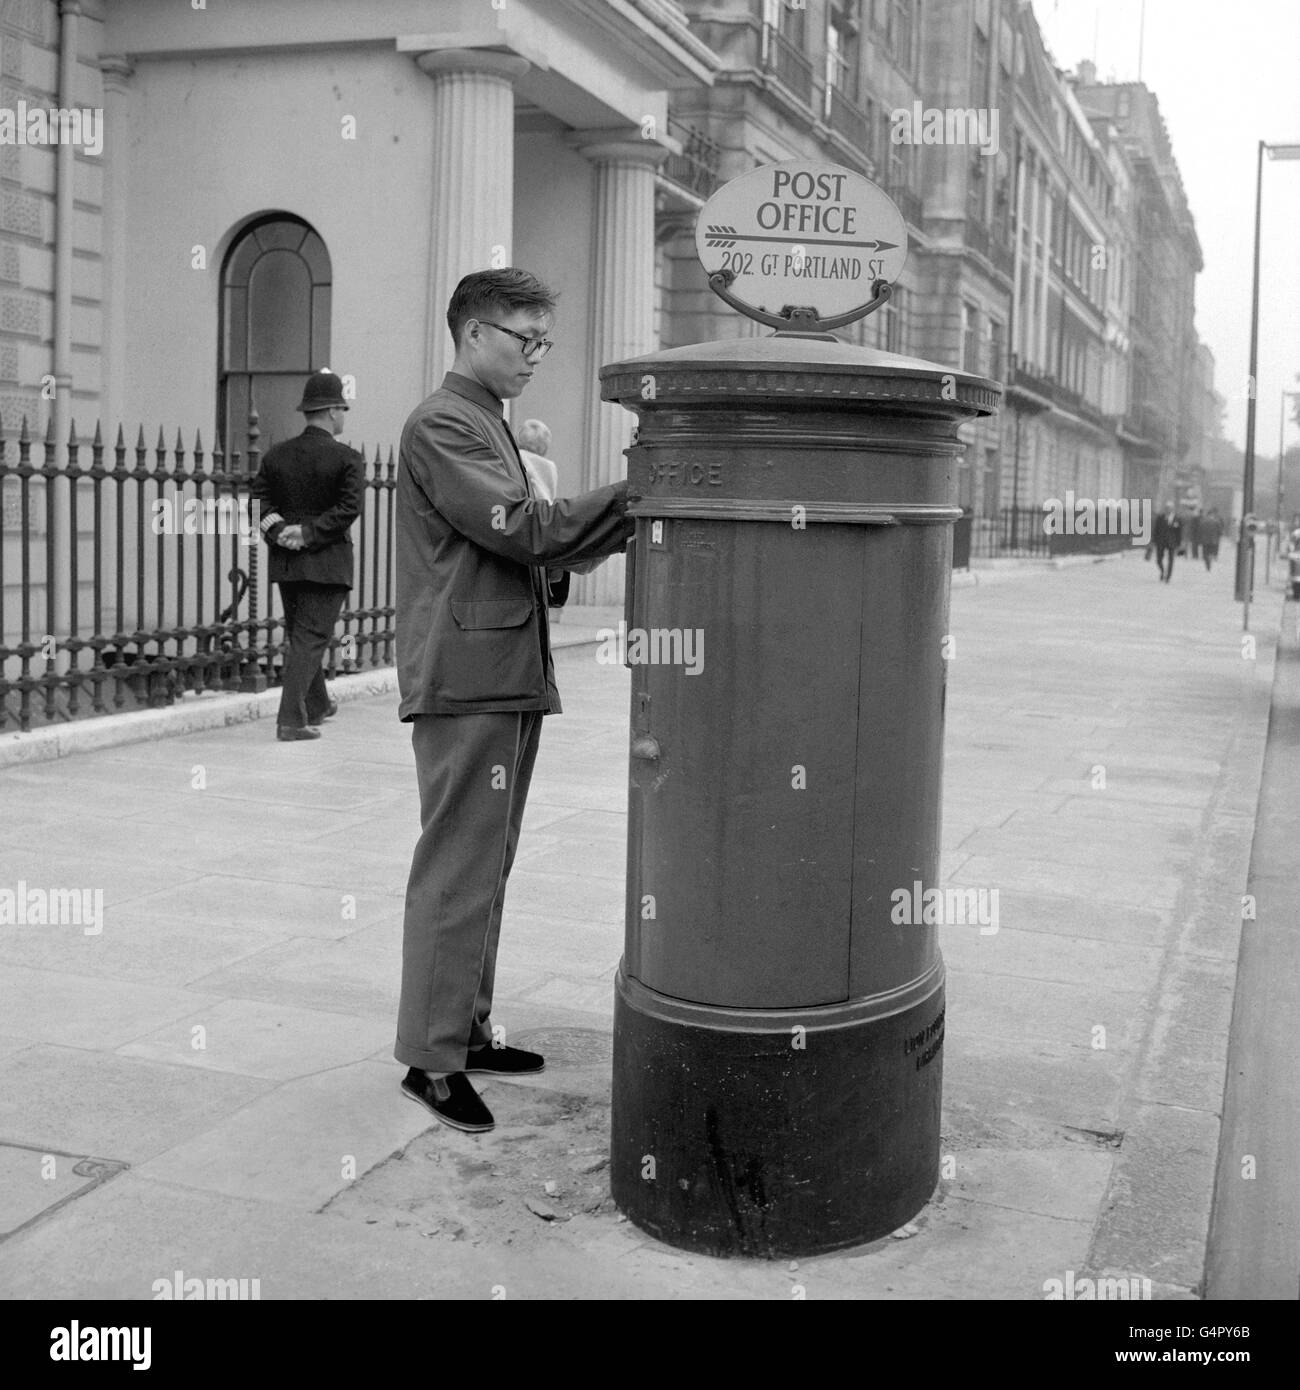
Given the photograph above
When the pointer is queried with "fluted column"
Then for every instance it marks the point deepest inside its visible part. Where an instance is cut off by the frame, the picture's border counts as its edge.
(116, 73)
(473, 178)
(622, 311)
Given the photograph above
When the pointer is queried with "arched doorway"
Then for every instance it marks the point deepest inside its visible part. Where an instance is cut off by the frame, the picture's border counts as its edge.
(275, 326)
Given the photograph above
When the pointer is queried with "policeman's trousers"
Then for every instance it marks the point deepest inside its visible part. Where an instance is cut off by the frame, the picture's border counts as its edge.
(310, 612)
(473, 772)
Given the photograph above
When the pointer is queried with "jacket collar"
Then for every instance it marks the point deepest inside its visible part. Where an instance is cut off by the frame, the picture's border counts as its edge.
(472, 391)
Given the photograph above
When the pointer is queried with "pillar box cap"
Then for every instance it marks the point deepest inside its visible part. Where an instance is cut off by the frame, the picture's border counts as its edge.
(818, 368)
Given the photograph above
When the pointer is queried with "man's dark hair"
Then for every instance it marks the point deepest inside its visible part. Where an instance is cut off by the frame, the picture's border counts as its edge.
(490, 294)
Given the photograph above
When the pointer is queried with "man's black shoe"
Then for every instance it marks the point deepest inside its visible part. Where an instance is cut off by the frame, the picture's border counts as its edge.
(288, 734)
(451, 1098)
(504, 1061)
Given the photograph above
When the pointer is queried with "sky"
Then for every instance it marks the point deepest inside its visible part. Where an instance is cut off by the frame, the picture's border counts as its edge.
(1226, 76)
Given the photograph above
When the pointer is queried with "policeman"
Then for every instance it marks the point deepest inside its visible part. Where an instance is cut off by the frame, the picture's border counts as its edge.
(309, 492)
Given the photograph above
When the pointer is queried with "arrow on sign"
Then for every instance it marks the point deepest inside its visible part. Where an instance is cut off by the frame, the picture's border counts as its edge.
(716, 236)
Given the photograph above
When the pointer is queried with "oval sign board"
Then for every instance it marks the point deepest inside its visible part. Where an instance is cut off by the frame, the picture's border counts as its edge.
(802, 233)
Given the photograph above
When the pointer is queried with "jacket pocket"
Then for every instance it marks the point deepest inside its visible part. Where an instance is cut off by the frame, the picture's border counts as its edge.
(476, 614)
(496, 654)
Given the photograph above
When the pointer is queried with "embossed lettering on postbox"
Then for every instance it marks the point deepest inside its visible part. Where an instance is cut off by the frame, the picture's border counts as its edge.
(675, 472)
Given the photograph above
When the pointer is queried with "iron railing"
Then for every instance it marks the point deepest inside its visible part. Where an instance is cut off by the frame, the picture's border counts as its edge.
(788, 63)
(847, 119)
(1021, 532)
(697, 167)
(126, 583)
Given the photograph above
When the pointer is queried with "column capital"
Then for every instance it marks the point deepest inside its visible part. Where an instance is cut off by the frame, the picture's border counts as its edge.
(116, 70)
(624, 145)
(507, 66)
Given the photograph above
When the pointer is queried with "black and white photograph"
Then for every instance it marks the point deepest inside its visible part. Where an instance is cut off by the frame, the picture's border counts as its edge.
(649, 652)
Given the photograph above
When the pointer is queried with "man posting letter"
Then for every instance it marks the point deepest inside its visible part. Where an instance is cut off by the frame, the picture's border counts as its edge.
(474, 671)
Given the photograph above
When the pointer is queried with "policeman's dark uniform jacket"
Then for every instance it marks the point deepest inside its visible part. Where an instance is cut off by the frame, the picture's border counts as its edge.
(315, 482)
(475, 677)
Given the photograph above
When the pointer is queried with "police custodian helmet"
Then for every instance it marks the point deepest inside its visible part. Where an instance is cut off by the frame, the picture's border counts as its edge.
(323, 390)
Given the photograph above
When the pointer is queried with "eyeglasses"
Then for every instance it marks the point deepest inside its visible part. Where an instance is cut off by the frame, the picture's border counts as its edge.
(540, 346)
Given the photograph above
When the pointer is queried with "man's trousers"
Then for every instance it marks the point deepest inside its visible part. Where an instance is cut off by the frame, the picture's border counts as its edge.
(473, 771)
(310, 612)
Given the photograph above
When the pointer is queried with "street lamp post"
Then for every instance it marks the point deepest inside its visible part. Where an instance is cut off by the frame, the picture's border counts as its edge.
(1281, 445)
(1246, 540)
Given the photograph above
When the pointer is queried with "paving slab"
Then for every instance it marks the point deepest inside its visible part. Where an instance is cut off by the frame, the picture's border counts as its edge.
(90, 1102)
(271, 1040)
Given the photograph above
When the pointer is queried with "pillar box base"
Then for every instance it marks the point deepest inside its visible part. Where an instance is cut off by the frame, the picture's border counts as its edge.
(735, 1134)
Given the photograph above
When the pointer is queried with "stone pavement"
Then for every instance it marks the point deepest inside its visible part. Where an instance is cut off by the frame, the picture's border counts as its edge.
(206, 1085)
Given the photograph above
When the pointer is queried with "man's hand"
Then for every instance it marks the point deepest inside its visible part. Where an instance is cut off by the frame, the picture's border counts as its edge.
(291, 538)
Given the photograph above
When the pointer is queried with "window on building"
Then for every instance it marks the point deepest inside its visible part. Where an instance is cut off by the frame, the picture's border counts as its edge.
(996, 365)
(895, 321)
(1003, 197)
(902, 26)
(275, 326)
(898, 164)
(790, 23)
(979, 75)
(843, 28)
(988, 486)
(977, 187)
(969, 338)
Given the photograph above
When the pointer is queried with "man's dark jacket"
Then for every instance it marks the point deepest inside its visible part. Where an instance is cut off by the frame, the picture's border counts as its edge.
(1168, 531)
(314, 482)
(473, 547)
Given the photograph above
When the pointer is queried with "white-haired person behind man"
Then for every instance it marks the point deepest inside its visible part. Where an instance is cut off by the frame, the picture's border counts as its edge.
(534, 440)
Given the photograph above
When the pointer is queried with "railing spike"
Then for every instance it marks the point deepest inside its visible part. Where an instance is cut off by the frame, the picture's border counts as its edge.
(24, 435)
(98, 440)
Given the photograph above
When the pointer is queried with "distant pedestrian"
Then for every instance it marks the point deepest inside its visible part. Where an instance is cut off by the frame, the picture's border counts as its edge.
(1211, 535)
(1194, 533)
(1167, 535)
(534, 440)
(309, 492)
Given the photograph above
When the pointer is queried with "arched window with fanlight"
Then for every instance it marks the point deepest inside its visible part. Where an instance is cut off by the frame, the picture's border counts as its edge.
(275, 326)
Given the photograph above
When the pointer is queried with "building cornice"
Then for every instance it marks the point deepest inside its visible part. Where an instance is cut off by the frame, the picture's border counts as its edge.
(658, 33)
